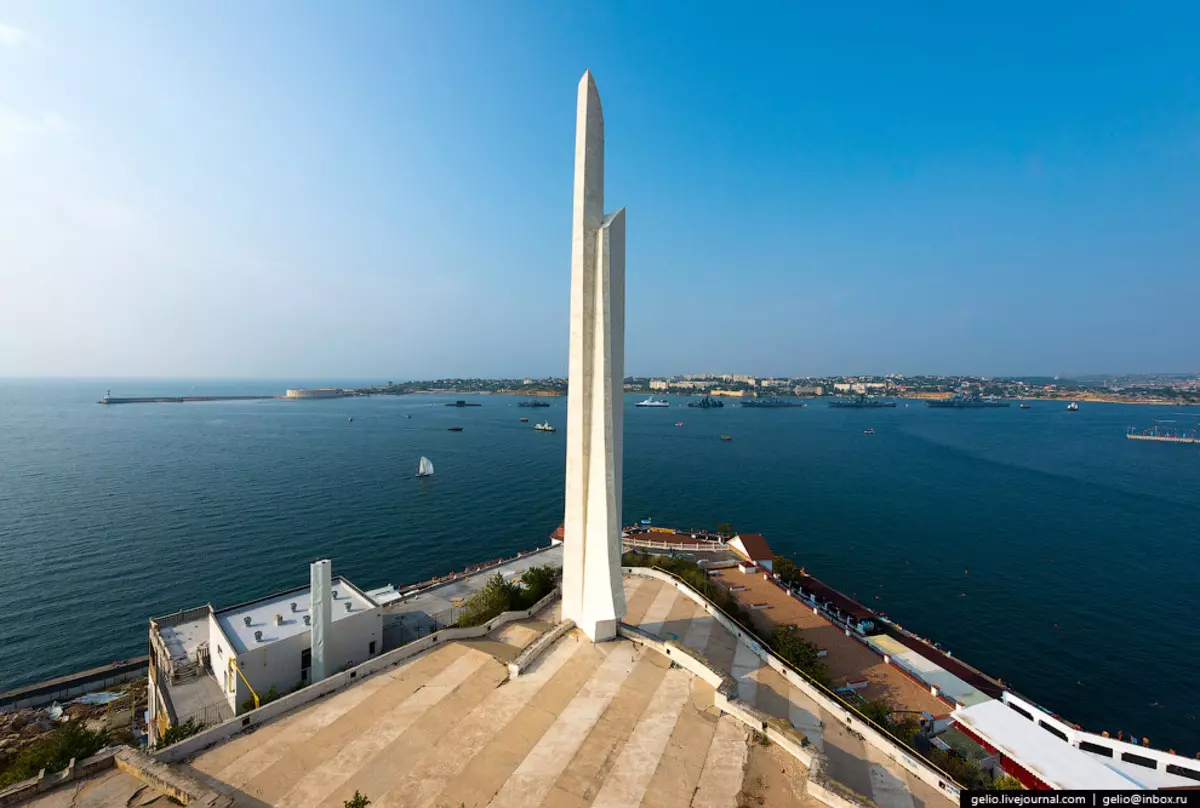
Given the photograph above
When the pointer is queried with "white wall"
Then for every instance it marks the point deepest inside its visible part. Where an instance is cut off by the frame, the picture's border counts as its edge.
(278, 662)
(220, 651)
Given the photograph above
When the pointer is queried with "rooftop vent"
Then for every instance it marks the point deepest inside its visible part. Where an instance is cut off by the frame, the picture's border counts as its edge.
(308, 619)
(335, 594)
(279, 620)
(348, 605)
(247, 619)
(258, 636)
(294, 606)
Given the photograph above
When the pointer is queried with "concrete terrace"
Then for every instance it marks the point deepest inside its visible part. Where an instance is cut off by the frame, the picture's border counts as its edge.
(661, 609)
(429, 609)
(110, 788)
(602, 725)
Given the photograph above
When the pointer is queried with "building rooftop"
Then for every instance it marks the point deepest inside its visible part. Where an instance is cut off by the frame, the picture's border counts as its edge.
(182, 639)
(291, 606)
(753, 545)
(928, 671)
(1048, 757)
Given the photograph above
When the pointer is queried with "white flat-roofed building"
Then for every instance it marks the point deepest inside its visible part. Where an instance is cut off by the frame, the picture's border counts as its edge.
(270, 639)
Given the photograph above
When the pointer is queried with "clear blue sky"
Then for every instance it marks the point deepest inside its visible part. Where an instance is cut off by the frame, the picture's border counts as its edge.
(384, 190)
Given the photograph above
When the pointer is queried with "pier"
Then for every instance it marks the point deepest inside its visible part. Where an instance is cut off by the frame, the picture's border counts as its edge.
(178, 399)
(1163, 437)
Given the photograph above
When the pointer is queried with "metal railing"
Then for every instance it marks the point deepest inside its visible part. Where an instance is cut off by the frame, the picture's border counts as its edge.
(209, 715)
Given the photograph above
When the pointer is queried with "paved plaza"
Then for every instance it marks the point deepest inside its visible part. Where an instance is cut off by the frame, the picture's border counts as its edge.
(601, 725)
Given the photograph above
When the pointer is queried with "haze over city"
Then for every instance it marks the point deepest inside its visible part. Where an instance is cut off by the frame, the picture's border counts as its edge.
(279, 190)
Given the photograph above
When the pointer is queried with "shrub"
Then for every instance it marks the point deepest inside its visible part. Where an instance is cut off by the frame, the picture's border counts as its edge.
(54, 751)
(499, 596)
(357, 801)
(1006, 783)
(180, 731)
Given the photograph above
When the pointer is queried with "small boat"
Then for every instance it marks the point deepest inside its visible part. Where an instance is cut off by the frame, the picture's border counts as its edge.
(424, 467)
(868, 431)
(533, 402)
(726, 438)
(408, 416)
(454, 429)
(350, 419)
(650, 402)
(544, 427)
(524, 420)
(1073, 406)
(679, 423)
(1025, 406)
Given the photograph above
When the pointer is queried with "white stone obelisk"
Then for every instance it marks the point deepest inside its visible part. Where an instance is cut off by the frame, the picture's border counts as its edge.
(593, 594)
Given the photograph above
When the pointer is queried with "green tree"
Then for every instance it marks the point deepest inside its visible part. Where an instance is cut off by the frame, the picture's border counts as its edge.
(789, 643)
(878, 710)
(1006, 783)
(537, 582)
(785, 568)
(54, 751)
(725, 529)
(357, 801)
(495, 597)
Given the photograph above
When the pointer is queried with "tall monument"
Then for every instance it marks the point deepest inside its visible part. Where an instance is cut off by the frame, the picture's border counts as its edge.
(593, 594)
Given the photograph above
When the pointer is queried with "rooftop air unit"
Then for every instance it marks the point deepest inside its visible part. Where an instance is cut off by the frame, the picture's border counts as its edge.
(349, 605)
(279, 620)
(258, 636)
(294, 606)
(247, 619)
(308, 619)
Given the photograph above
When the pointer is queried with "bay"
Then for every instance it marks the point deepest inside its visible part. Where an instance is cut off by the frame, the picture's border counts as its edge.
(1038, 545)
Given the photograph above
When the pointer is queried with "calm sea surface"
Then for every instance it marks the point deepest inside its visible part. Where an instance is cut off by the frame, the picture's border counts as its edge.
(1037, 544)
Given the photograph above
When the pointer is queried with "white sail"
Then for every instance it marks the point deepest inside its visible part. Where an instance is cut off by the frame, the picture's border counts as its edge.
(425, 468)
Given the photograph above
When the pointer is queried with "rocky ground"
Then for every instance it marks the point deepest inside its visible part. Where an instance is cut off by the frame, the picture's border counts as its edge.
(21, 728)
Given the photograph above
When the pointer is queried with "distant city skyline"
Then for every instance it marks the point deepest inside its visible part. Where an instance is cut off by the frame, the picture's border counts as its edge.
(293, 192)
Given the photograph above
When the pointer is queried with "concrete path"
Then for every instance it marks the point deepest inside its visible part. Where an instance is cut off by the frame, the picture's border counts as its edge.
(662, 609)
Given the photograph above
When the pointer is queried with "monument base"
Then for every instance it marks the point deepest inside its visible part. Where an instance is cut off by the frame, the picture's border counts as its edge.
(598, 630)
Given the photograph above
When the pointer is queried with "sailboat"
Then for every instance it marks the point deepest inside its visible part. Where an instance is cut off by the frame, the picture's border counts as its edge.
(424, 468)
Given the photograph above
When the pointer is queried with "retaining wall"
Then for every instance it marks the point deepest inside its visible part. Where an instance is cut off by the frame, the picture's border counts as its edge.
(538, 647)
(68, 687)
(898, 753)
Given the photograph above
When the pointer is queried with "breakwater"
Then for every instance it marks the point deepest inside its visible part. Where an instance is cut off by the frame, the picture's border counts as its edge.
(178, 399)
